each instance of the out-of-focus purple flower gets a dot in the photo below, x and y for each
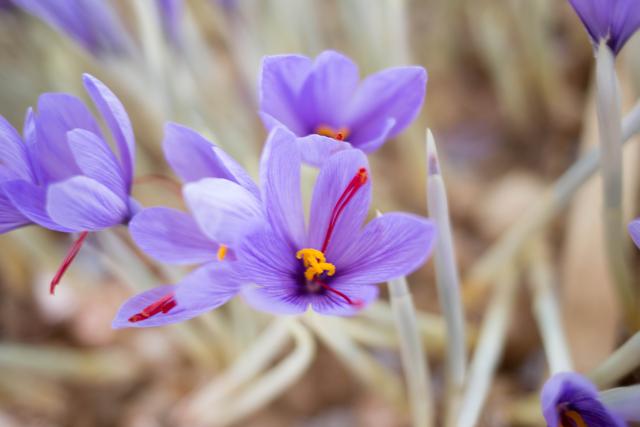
(325, 104)
(332, 267)
(64, 176)
(170, 15)
(634, 231)
(611, 21)
(569, 399)
(94, 24)
(223, 202)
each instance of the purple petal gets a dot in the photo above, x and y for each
(390, 246)
(333, 305)
(575, 393)
(328, 90)
(83, 204)
(58, 113)
(10, 217)
(335, 175)
(395, 93)
(192, 157)
(613, 21)
(315, 149)
(118, 122)
(274, 286)
(96, 160)
(13, 152)
(31, 201)
(203, 290)
(634, 231)
(171, 236)
(224, 210)
(280, 82)
(280, 179)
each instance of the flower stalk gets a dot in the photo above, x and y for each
(447, 279)
(414, 360)
(608, 108)
(619, 364)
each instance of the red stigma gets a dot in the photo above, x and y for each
(163, 305)
(349, 192)
(71, 255)
(340, 136)
(342, 295)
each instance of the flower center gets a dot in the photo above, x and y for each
(316, 263)
(222, 252)
(340, 134)
(570, 418)
(163, 305)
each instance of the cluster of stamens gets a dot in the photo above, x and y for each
(570, 418)
(316, 263)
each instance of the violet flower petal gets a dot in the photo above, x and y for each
(224, 210)
(118, 122)
(31, 201)
(58, 113)
(333, 305)
(613, 21)
(203, 290)
(634, 231)
(315, 149)
(395, 93)
(327, 90)
(96, 160)
(192, 157)
(334, 177)
(281, 79)
(171, 236)
(280, 179)
(10, 217)
(83, 204)
(390, 246)
(13, 152)
(575, 393)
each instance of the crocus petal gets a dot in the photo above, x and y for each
(118, 122)
(96, 160)
(280, 82)
(10, 217)
(335, 175)
(31, 201)
(623, 401)
(58, 113)
(203, 290)
(390, 246)
(171, 236)
(634, 231)
(574, 392)
(395, 93)
(330, 304)
(280, 179)
(83, 204)
(327, 90)
(272, 283)
(224, 210)
(315, 149)
(613, 21)
(13, 152)
(193, 157)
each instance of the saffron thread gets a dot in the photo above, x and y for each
(71, 255)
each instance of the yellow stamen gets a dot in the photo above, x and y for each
(316, 263)
(339, 134)
(575, 417)
(222, 252)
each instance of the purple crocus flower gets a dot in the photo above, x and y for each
(278, 264)
(94, 24)
(170, 15)
(570, 400)
(324, 103)
(64, 176)
(609, 21)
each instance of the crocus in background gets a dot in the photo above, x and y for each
(170, 16)
(610, 21)
(223, 202)
(570, 400)
(325, 104)
(64, 176)
(93, 24)
(275, 262)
